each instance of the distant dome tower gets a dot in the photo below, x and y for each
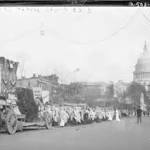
(142, 68)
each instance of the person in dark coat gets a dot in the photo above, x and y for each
(139, 115)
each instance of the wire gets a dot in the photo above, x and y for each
(145, 16)
(57, 34)
(123, 27)
(112, 34)
(19, 36)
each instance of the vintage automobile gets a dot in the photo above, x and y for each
(11, 120)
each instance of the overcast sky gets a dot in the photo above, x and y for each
(89, 44)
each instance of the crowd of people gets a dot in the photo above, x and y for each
(75, 114)
(80, 114)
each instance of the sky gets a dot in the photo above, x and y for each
(91, 44)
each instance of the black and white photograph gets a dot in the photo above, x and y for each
(74, 78)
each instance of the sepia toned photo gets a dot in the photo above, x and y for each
(74, 78)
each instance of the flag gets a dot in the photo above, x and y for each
(77, 70)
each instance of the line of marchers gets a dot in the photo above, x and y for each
(28, 93)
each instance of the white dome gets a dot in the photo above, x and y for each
(143, 63)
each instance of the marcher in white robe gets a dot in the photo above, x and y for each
(77, 115)
(92, 115)
(110, 117)
(63, 117)
(82, 114)
(117, 115)
(56, 116)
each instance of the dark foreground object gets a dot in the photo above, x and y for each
(77, 2)
(109, 135)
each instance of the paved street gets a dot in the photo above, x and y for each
(124, 135)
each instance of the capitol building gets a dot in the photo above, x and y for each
(142, 69)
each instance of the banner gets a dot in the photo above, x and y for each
(45, 96)
(37, 92)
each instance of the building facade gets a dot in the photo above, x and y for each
(39, 84)
(120, 89)
(8, 76)
(142, 69)
(99, 87)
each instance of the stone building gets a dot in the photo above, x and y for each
(98, 87)
(39, 84)
(142, 69)
(8, 77)
(120, 89)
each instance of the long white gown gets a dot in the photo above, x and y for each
(117, 115)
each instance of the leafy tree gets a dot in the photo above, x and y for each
(110, 91)
(134, 92)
